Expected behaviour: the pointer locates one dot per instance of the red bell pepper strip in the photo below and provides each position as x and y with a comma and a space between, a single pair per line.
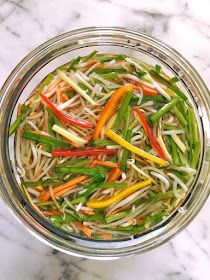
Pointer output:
64, 116
80, 153
149, 134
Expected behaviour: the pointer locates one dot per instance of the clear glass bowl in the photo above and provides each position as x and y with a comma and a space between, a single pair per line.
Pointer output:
57, 51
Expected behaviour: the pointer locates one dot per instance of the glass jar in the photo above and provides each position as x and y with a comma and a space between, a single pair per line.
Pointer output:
59, 50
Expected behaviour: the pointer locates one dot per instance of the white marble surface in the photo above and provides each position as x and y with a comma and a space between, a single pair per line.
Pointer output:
185, 25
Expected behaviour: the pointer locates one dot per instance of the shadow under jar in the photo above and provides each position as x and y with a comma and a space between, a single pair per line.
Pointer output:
58, 51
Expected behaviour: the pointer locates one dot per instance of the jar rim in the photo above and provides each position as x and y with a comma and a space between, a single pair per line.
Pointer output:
48, 232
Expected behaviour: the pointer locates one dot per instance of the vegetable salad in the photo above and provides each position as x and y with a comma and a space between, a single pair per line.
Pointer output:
107, 146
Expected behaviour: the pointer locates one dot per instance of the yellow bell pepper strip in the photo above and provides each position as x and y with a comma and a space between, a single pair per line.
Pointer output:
110, 108
179, 143
116, 198
112, 135
70, 136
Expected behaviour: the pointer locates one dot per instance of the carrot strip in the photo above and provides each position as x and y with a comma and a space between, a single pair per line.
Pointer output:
87, 212
114, 174
91, 62
109, 109
84, 229
58, 94
86, 181
106, 236
146, 89
149, 91
62, 192
168, 201
116, 211
19, 109
52, 213
64, 97
141, 160
100, 66
45, 195
91, 164
140, 220
80, 153
39, 172
33, 113
88, 137
142, 145
104, 163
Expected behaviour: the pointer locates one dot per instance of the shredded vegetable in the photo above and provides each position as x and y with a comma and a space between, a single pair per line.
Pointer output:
63, 116
118, 197
109, 109
106, 146
109, 133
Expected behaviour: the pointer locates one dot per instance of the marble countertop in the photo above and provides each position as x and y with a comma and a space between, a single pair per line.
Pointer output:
185, 25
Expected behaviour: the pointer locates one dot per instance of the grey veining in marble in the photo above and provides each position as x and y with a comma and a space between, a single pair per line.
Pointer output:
185, 25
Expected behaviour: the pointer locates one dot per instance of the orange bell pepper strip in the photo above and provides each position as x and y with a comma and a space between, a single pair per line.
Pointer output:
110, 108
